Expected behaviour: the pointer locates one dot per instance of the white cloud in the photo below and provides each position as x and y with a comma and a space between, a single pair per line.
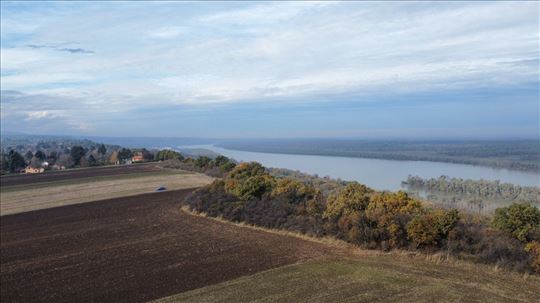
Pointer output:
168, 32
44, 114
265, 13
259, 50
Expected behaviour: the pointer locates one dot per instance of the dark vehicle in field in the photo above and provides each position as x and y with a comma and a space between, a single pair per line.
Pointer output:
161, 188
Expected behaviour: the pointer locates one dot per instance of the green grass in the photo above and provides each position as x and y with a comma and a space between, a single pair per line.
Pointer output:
372, 279
163, 172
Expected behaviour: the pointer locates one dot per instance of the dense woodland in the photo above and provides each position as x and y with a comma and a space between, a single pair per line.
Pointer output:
512, 154
484, 189
379, 220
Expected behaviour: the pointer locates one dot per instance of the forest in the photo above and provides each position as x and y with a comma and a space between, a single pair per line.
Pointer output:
511, 154
352, 212
475, 188
473, 196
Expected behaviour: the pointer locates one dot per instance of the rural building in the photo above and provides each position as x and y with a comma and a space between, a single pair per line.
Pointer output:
33, 170
58, 167
137, 158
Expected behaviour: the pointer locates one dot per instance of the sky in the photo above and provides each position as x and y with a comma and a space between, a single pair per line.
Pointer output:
271, 69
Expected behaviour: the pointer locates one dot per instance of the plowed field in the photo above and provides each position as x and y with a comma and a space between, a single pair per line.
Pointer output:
132, 249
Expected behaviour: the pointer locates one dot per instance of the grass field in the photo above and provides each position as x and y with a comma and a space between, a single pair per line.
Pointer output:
371, 279
27, 197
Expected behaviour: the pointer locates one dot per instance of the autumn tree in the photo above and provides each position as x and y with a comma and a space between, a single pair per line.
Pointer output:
113, 159
249, 180
353, 198
392, 212
432, 227
518, 219
533, 248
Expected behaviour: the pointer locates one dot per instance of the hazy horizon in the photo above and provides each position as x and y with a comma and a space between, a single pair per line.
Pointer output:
369, 70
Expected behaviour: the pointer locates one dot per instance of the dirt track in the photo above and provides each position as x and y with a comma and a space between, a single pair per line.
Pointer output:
77, 173
131, 249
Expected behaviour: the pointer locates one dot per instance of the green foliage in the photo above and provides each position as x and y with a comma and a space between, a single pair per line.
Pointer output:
92, 161
202, 161
514, 154
359, 215
76, 153
391, 213
483, 190
13, 161
147, 155
40, 155
533, 248
225, 164
353, 198
102, 149
124, 154
384, 207
254, 187
28, 156
245, 170
432, 227
518, 219
168, 154
307, 199
445, 221
422, 230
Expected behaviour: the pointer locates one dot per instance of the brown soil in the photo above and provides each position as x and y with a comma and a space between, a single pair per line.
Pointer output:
132, 249
76, 174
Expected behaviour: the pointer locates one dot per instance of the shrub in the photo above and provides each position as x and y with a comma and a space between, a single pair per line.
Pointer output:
432, 228
352, 198
500, 249
533, 248
422, 230
518, 219
391, 212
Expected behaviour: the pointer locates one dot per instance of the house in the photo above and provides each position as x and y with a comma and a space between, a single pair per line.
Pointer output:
58, 167
33, 170
137, 158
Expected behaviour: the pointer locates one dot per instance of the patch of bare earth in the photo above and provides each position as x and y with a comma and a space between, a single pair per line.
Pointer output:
132, 249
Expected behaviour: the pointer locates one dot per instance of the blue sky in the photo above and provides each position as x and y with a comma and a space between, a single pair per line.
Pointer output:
271, 69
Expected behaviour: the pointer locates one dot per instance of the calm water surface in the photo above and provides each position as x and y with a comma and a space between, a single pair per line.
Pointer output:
376, 173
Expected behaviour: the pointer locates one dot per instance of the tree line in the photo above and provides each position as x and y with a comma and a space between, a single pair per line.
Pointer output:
379, 220
54, 156
512, 154
475, 188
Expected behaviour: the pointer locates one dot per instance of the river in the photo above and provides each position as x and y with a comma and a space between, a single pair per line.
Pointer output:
377, 173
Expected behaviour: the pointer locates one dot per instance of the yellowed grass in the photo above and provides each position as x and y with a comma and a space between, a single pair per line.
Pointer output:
29, 198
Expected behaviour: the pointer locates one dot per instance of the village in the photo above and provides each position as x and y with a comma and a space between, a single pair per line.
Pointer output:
39, 158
